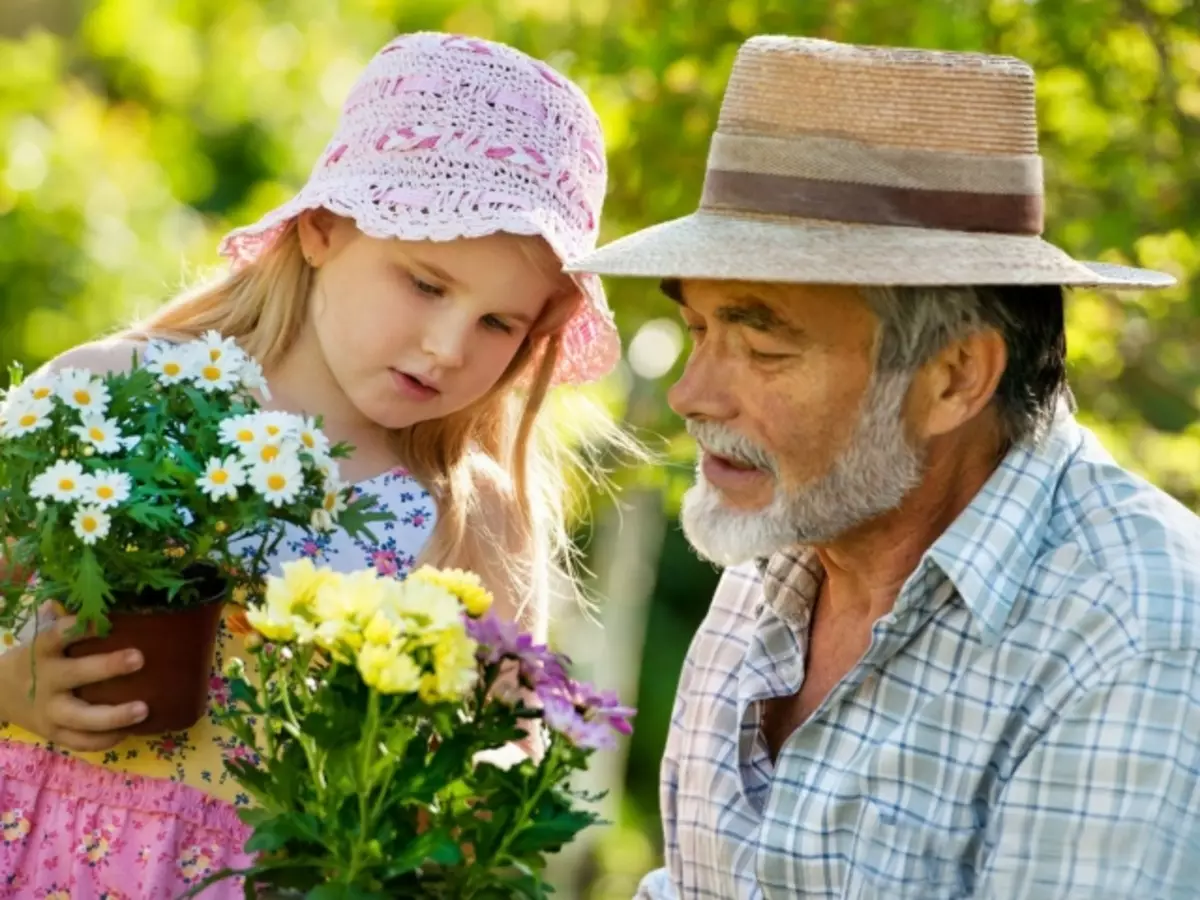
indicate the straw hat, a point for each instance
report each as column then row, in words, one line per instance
column 837, row 164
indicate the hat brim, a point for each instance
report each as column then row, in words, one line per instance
column 591, row 343
column 718, row 247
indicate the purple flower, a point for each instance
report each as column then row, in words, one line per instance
column 562, row 716
column 587, row 717
column 500, row 639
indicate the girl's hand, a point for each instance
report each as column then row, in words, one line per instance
column 53, row 712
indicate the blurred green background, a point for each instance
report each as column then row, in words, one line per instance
column 134, row 132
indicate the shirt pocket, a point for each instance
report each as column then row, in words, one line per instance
column 899, row 854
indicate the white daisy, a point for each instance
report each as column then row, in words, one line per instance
column 313, row 439
column 321, row 520
column 64, row 481
column 106, row 488
column 215, row 347
column 172, row 363
column 253, row 378
column 216, row 375
column 83, row 391
column 275, row 426
column 240, row 432
column 39, row 387
column 335, row 500
column 280, row 481
column 222, row 478
column 27, row 416
column 100, row 433
column 264, row 452
column 91, row 524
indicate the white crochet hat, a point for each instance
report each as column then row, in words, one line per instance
column 447, row 137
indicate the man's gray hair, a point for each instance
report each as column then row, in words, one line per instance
column 918, row 322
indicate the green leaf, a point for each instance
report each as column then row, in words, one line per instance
column 343, row 892
column 436, row 846
column 551, row 834
column 274, row 834
column 91, row 593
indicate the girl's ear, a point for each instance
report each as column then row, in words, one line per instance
column 319, row 231
column 557, row 313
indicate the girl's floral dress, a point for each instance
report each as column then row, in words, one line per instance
column 156, row 815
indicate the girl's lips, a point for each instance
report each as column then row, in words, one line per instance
column 412, row 387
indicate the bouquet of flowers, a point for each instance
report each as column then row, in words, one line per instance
column 377, row 725
column 160, row 489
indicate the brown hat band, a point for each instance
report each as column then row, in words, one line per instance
column 809, row 177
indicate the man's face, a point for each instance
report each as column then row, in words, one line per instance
column 800, row 443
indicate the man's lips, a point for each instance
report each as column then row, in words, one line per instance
column 730, row 474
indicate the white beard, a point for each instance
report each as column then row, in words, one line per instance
column 871, row 477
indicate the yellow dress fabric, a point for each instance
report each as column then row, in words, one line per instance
column 195, row 757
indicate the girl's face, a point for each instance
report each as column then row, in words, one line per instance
column 413, row 331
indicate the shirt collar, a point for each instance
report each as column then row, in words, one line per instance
column 990, row 548
column 987, row 552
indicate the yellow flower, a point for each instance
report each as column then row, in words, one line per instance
column 466, row 586
column 388, row 670
column 271, row 627
column 382, row 629
column 354, row 597
column 336, row 634
column 455, row 668
column 430, row 607
column 297, row 589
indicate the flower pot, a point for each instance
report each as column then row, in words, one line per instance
column 177, row 646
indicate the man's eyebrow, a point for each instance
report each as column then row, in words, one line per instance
column 752, row 312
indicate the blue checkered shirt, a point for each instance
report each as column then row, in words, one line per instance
column 1024, row 724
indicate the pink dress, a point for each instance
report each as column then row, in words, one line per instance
column 155, row 816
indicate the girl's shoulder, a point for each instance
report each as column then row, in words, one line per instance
column 111, row 355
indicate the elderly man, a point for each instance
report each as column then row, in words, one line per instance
column 957, row 653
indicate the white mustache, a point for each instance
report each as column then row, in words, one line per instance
column 731, row 445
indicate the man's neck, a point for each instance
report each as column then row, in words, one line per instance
column 865, row 570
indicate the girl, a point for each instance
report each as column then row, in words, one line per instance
column 412, row 294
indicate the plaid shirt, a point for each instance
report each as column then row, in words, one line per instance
column 1025, row 723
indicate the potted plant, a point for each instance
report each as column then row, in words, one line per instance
column 380, row 727
column 143, row 500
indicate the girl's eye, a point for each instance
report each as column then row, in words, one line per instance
column 424, row 287
column 495, row 323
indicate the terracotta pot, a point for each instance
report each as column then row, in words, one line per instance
column 177, row 646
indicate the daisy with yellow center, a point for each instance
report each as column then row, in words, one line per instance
column 215, row 347
column 334, row 502
column 280, row 480
column 106, row 488
column 103, row 435
column 216, row 375
column 313, row 439
column 62, row 482
column 27, row 416
column 240, row 432
column 172, row 363
column 83, row 391
column 222, row 478
column 91, row 524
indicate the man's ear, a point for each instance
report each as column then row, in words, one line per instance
column 956, row 385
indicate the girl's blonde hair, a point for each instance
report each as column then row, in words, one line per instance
column 498, row 475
